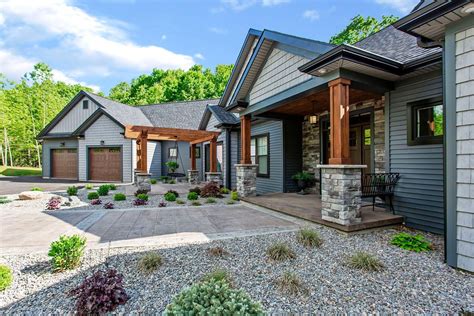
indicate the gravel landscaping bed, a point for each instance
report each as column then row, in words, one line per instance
column 410, row 283
column 153, row 201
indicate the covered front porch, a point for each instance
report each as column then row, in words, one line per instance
column 309, row 207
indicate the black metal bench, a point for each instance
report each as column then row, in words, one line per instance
column 380, row 185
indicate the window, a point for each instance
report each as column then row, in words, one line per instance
column 259, row 154
column 197, row 151
column 425, row 122
column 173, row 152
column 85, row 104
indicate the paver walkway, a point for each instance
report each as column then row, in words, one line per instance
column 24, row 232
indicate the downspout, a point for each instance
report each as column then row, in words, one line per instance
column 228, row 160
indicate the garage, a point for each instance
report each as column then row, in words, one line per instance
column 64, row 163
column 105, row 164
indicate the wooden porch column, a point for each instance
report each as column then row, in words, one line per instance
column 339, row 122
column 245, row 139
column 213, row 155
column 142, row 154
column 193, row 157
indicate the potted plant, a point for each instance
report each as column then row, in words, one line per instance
column 304, row 180
column 172, row 165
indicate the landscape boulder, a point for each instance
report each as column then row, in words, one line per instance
column 31, row 195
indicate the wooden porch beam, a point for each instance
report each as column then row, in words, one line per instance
column 339, row 121
column 245, row 136
column 202, row 140
column 193, row 156
column 142, row 152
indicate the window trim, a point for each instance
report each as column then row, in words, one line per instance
column 267, row 135
column 85, row 104
column 412, row 140
column 169, row 152
column 197, row 151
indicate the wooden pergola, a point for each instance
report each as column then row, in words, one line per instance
column 144, row 133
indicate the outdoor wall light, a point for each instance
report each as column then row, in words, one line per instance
column 313, row 119
column 322, row 71
column 62, row 144
column 468, row 9
column 102, row 143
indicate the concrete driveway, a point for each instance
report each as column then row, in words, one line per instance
column 33, row 231
column 15, row 185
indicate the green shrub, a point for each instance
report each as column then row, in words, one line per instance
column 140, row 191
column 120, row 197
column 196, row 203
column 6, row 277
column 224, row 190
column 415, row 243
column 4, row 200
column 164, row 178
column 92, row 196
column 170, row 197
column 112, row 187
column 72, row 190
column 230, row 202
column 89, row 186
column 153, row 181
column 36, row 189
column 172, row 165
column 309, row 237
column 142, row 196
column 171, row 181
column 67, row 252
column 213, row 298
column 290, row 283
column 196, row 189
column 280, row 251
column 234, row 196
column 211, row 200
column 174, row 192
column 178, row 201
column 192, row 196
column 218, row 275
column 364, row 261
column 150, row 262
column 103, row 190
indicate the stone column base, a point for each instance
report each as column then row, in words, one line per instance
column 214, row 177
column 193, row 177
column 341, row 193
column 143, row 181
column 246, row 180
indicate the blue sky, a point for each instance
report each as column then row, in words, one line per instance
column 103, row 42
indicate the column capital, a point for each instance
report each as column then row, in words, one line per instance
column 338, row 81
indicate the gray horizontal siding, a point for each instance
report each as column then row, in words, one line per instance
column 48, row 145
column 154, row 158
column 184, row 160
column 419, row 196
column 275, row 182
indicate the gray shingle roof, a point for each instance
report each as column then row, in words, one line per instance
column 223, row 116
column 125, row 114
column 397, row 45
column 185, row 114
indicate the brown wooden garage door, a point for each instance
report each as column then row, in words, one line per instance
column 105, row 164
column 64, row 163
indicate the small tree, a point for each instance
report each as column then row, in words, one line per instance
column 172, row 165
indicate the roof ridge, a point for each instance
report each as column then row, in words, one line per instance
column 175, row 102
column 300, row 37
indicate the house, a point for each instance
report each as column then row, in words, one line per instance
column 388, row 104
column 86, row 142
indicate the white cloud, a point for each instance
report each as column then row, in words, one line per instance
column 199, row 56
column 218, row 30
column 95, row 39
column 15, row 66
column 240, row 5
column 311, row 15
column 404, row 6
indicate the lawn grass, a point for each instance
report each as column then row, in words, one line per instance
column 19, row 171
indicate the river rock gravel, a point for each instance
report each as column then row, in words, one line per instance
column 415, row 283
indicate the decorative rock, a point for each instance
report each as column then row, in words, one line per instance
column 214, row 177
column 31, row 195
column 341, row 193
column 143, row 181
column 193, row 177
column 246, row 179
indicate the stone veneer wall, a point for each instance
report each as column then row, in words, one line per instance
column 312, row 139
column 465, row 147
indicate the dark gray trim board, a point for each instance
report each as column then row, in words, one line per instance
column 450, row 138
column 105, row 146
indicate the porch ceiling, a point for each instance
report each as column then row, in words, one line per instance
column 319, row 102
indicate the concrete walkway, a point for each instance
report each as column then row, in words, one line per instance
column 33, row 231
